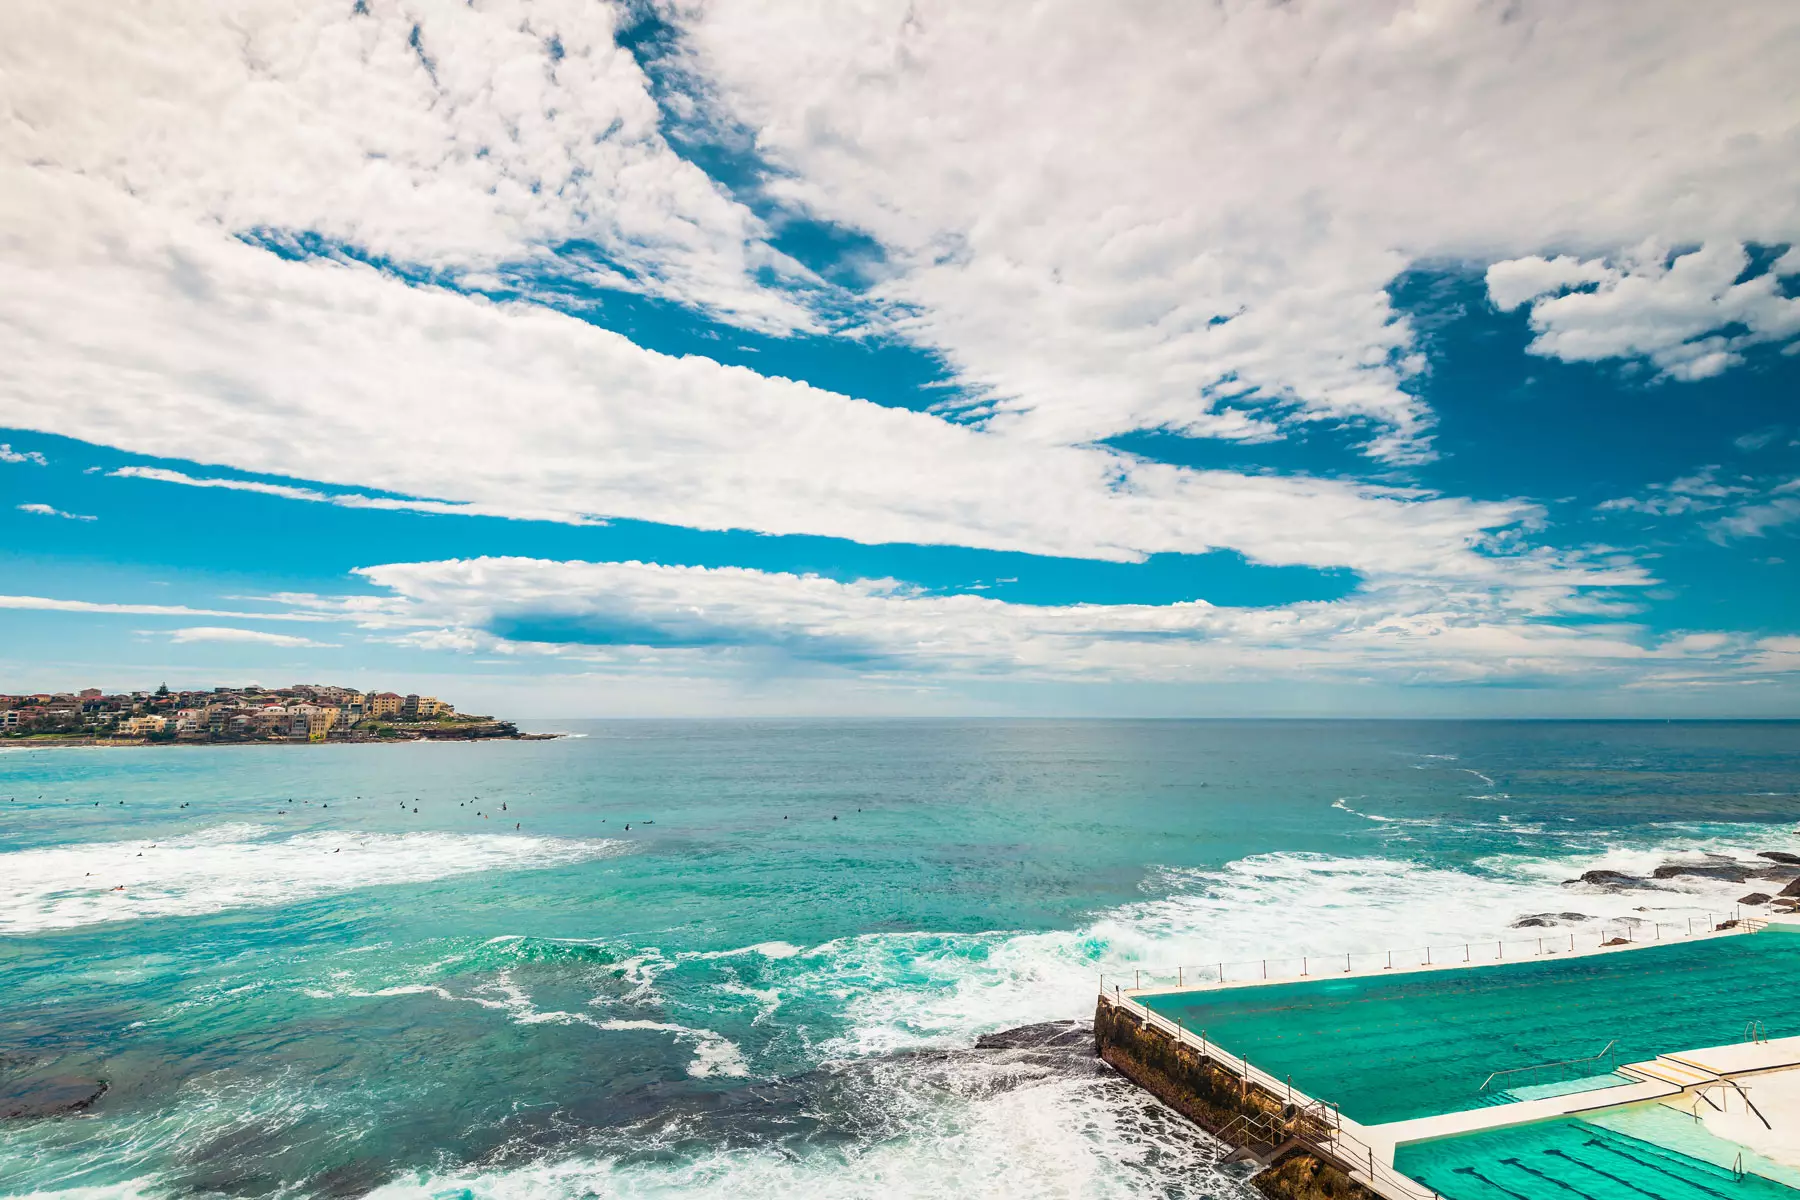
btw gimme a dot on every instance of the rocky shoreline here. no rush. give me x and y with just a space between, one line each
1766 866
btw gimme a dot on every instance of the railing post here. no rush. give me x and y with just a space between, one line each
1390 965
1139 976
1465 952
1180 977
1265 963
1303 964
1346 964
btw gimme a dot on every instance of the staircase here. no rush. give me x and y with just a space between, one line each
1667 1070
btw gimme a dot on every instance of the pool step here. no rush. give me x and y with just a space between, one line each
1664 1070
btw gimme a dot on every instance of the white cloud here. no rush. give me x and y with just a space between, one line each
45 510
1115 220
111 322
458 137
53 604
1780 507
656 617
1702 491
1670 310
221 633
9 455
1750 507
344 499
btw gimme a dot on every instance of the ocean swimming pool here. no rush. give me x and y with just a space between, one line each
1394 1047
1574 1159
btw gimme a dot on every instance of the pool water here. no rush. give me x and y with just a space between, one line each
1571 1159
1393 1047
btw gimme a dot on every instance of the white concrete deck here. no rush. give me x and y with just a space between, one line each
1499 1116
1660 1078
1741 1058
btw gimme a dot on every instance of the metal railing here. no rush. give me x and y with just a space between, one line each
1606 1052
1311 966
1718 1080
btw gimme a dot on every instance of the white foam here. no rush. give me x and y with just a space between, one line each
714 1054
247 866
1058 1138
911 990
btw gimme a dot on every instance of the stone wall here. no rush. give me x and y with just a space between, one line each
1216 1098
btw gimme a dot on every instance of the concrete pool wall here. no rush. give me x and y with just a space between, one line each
1310 1151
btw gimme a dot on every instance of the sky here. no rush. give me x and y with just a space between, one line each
790 358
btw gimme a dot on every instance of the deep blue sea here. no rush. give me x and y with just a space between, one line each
754 958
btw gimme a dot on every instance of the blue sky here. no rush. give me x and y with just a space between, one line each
727 358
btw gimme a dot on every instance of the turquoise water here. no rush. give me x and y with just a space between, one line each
1388 1048
1568 1159
308 989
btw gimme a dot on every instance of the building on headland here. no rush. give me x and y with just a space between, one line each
301 712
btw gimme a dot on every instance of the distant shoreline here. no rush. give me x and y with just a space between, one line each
35 743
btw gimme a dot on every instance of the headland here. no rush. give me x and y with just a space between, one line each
304 714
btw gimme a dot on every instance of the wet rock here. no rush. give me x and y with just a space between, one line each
1754 898
1780 856
1730 872
1617 942
1792 889
1545 920
1050 1034
51 1096
1609 879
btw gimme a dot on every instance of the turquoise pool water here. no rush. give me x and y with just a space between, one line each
1570 1160
1389 1048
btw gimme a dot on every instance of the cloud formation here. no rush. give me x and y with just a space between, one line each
223 633
460 138
9 455
1163 215
1670 309
646 614
111 318
46 510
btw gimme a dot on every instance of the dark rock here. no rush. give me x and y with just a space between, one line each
1731 924
1780 856
1034 1037
1609 879
1792 889
1543 920
1617 942
1754 898
1730 872
50 1096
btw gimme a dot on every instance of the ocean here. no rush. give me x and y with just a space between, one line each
756 958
